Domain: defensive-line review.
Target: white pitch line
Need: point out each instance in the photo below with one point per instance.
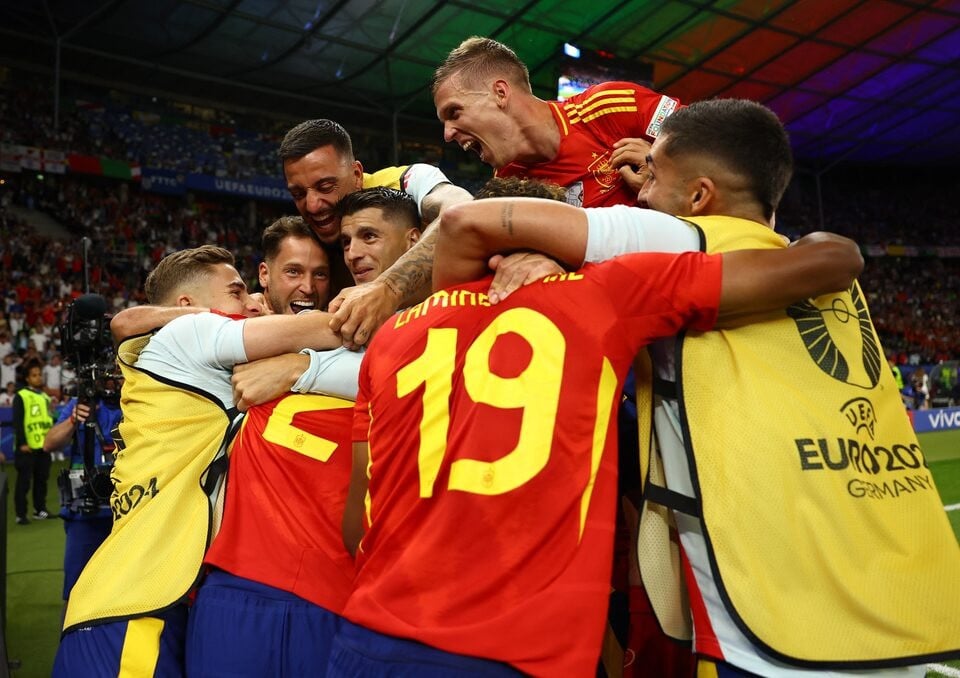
(944, 670)
(952, 507)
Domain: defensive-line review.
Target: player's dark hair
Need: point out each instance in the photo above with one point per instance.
(280, 230)
(310, 135)
(743, 135)
(398, 207)
(518, 187)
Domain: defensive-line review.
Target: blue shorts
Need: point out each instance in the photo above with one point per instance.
(361, 653)
(146, 646)
(240, 627)
(84, 536)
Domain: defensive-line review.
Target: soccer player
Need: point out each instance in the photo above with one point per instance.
(588, 144)
(320, 169)
(295, 272)
(484, 100)
(492, 470)
(126, 611)
(377, 226)
(279, 572)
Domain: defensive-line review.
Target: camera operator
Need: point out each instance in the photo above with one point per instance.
(87, 517)
(86, 425)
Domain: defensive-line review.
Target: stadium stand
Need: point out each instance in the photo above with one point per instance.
(911, 274)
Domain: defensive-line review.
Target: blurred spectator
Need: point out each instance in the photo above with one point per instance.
(920, 389)
(8, 368)
(52, 377)
(6, 345)
(6, 397)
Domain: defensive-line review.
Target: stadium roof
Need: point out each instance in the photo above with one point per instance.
(870, 81)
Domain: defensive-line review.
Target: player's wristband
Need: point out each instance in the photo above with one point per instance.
(419, 179)
(332, 372)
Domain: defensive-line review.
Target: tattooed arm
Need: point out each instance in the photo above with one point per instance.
(469, 234)
(359, 311)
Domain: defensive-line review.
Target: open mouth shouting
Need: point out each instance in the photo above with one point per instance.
(475, 146)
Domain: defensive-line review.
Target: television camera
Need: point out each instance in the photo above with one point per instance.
(87, 346)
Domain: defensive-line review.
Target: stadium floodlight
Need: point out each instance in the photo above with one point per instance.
(571, 50)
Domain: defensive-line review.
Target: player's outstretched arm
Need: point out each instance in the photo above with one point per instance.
(267, 336)
(331, 373)
(471, 233)
(756, 281)
(142, 319)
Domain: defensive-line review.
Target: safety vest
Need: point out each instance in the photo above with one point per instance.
(826, 534)
(897, 376)
(36, 417)
(162, 513)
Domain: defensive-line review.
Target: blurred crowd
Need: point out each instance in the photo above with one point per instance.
(913, 299)
(130, 230)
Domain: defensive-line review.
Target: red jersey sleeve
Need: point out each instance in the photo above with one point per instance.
(625, 109)
(663, 293)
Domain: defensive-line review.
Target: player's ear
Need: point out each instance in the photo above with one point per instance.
(357, 175)
(413, 235)
(185, 300)
(703, 193)
(501, 90)
(263, 276)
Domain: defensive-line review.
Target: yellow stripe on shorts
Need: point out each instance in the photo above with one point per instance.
(706, 668)
(141, 648)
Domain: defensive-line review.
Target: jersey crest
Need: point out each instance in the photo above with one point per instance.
(603, 172)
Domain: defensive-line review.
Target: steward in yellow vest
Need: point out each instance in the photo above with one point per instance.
(32, 418)
(37, 419)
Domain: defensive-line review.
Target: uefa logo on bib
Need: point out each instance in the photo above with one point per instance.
(854, 358)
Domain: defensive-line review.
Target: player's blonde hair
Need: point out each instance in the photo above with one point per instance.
(477, 59)
(181, 271)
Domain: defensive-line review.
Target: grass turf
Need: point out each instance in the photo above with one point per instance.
(34, 583)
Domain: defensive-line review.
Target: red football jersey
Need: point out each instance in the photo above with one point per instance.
(493, 461)
(286, 488)
(589, 124)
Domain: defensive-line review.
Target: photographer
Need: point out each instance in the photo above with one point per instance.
(87, 517)
(86, 426)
